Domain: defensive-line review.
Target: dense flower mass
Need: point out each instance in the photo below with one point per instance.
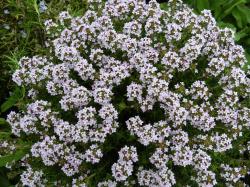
(133, 95)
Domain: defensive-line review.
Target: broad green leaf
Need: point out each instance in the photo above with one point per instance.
(248, 61)
(216, 3)
(4, 124)
(13, 99)
(22, 149)
(122, 105)
(245, 13)
(226, 25)
(216, 6)
(229, 7)
(4, 182)
(164, 6)
(238, 17)
(5, 135)
(9, 158)
(2, 121)
(202, 4)
(243, 33)
(248, 58)
(247, 41)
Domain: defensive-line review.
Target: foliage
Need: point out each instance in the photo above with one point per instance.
(25, 37)
(22, 34)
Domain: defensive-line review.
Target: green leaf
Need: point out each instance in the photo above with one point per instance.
(122, 105)
(229, 7)
(9, 158)
(216, 3)
(22, 149)
(4, 124)
(216, 6)
(3, 121)
(226, 25)
(248, 60)
(244, 11)
(37, 10)
(13, 99)
(243, 33)
(202, 4)
(238, 17)
(5, 135)
(4, 182)
(164, 6)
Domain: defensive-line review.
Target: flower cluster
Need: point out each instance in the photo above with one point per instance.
(32, 178)
(124, 167)
(130, 94)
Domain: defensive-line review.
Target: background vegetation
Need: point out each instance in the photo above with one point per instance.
(21, 34)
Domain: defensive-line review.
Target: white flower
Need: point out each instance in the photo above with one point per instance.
(130, 79)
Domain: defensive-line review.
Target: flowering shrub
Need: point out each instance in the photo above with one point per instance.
(134, 95)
